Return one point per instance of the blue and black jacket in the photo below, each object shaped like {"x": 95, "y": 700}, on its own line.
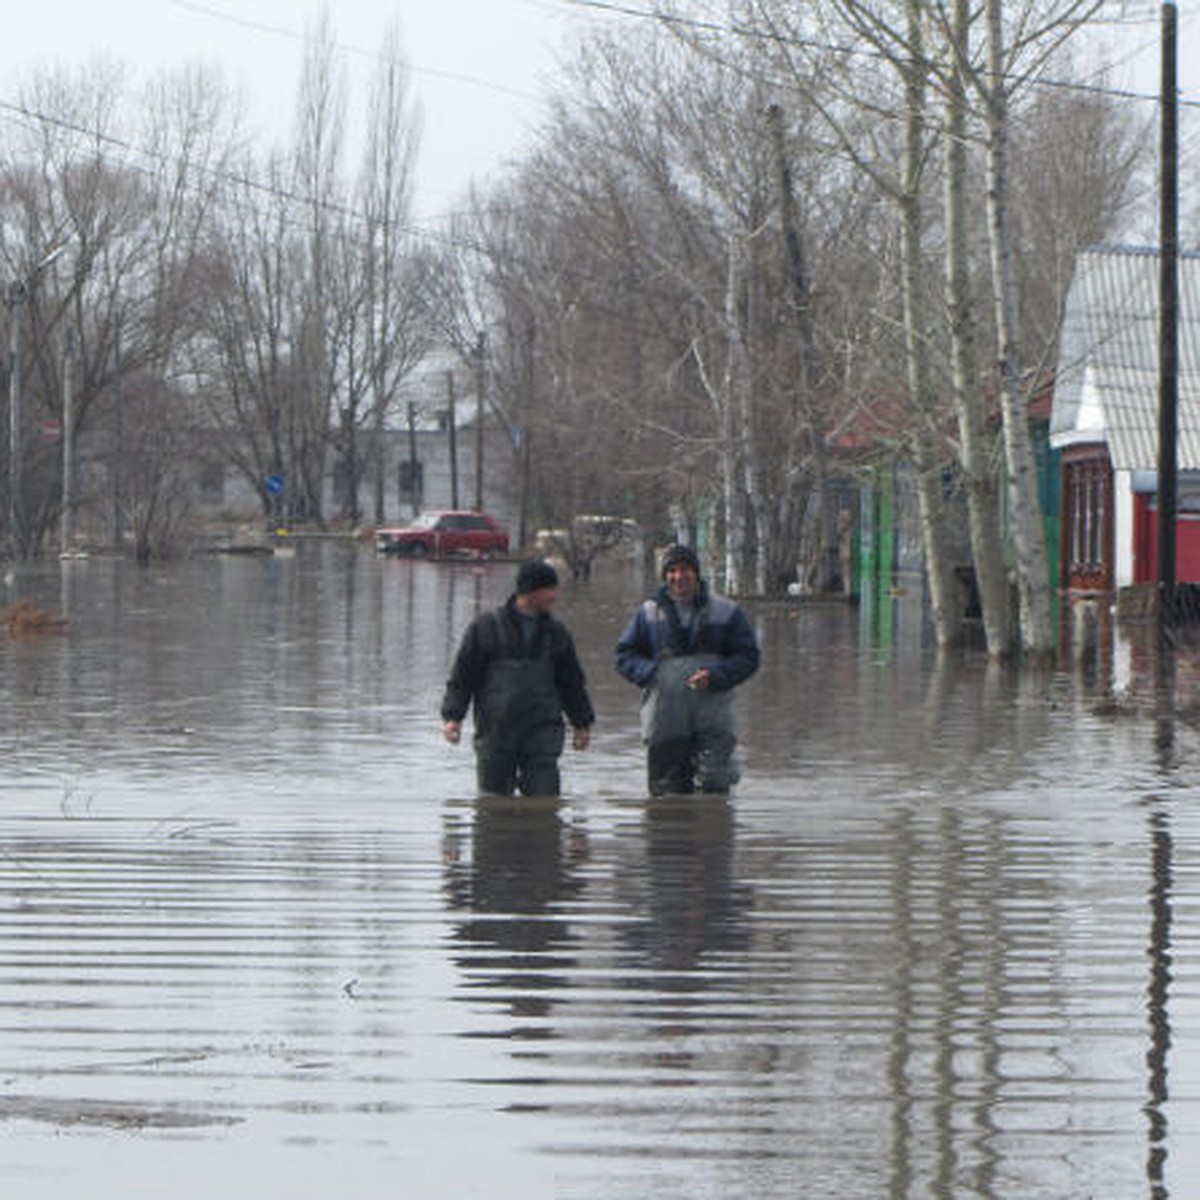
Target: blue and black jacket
{"x": 720, "y": 634}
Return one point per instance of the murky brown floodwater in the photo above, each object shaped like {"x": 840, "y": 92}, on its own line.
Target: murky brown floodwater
{"x": 258, "y": 940}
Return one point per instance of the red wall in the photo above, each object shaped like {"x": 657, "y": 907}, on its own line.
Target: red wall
{"x": 1145, "y": 543}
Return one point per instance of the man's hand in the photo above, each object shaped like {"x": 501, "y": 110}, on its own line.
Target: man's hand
{"x": 582, "y": 737}
{"x": 700, "y": 680}
{"x": 452, "y": 731}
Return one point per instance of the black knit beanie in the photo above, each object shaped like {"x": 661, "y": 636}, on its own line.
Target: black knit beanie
{"x": 681, "y": 556}
{"x": 535, "y": 573}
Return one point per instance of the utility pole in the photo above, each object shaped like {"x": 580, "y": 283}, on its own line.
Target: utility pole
{"x": 15, "y": 298}
{"x": 67, "y": 518}
{"x": 415, "y": 488}
{"x": 18, "y": 294}
{"x": 118, "y": 499}
{"x": 452, "y": 430}
{"x": 1168, "y": 330}
{"x": 480, "y": 343}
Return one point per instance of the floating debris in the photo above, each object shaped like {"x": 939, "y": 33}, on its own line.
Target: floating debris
{"x": 25, "y": 617}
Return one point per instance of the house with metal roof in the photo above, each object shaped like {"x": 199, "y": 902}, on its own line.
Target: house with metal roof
{"x": 1105, "y": 419}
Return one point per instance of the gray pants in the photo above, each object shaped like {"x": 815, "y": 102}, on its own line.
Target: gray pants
{"x": 689, "y": 734}
{"x": 702, "y": 762}
{"x": 528, "y": 765}
{"x": 523, "y": 732}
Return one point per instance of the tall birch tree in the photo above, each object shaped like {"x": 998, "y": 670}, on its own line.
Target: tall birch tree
{"x": 925, "y": 440}
{"x": 395, "y": 292}
{"x": 832, "y": 84}
{"x": 320, "y": 117}
{"x": 978, "y": 466}
{"x": 1038, "y": 30}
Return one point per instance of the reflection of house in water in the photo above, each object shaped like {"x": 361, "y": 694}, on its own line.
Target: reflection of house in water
{"x": 1117, "y": 658}
{"x": 508, "y": 873}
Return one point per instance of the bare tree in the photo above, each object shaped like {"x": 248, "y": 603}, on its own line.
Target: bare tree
{"x": 159, "y": 448}
{"x": 129, "y": 199}
{"x": 976, "y": 108}
{"x": 397, "y": 272}
{"x": 917, "y": 350}
{"x": 983, "y": 511}
{"x": 321, "y": 332}
{"x": 245, "y": 362}
{"x": 1035, "y": 34}
{"x": 691, "y": 223}
{"x": 1081, "y": 163}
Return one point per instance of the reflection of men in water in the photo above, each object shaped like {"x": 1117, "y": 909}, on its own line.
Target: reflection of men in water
{"x": 517, "y": 665}
{"x": 522, "y": 864}
{"x": 695, "y": 905}
{"x": 688, "y": 648}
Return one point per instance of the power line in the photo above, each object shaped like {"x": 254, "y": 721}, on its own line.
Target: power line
{"x": 23, "y": 114}
{"x": 30, "y": 118}
{"x": 661, "y": 17}
{"x": 295, "y": 35}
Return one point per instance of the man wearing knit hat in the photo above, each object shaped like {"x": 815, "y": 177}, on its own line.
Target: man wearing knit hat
{"x": 518, "y": 667}
{"x": 687, "y": 649}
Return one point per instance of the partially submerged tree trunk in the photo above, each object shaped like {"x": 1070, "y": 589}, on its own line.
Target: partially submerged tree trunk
{"x": 983, "y": 516}
{"x": 930, "y": 502}
{"x": 737, "y": 468}
{"x": 1028, "y": 532}
{"x": 825, "y": 571}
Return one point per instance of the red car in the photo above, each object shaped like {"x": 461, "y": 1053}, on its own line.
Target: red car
{"x": 442, "y": 534}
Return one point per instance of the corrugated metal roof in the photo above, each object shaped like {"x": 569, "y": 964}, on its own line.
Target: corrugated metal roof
{"x": 1106, "y": 387}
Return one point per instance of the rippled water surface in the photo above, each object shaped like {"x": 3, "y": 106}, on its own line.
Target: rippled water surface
{"x": 259, "y": 940}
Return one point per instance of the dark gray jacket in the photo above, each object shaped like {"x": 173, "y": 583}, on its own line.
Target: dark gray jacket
{"x": 517, "y": 688}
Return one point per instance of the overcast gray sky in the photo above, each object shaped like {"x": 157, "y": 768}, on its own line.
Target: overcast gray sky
{"x": 478, "y": 66}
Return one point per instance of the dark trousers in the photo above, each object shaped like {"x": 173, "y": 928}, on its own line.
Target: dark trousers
{"x": 529, "y": 765}
{"x": 702, "y": 762}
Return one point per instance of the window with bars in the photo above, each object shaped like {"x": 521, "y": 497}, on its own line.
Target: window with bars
{"x": 1089, "y": 520}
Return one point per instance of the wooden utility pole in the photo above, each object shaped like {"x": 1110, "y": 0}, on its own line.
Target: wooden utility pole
{"x": 67, "y": 517}
{"x": 827, "y": 573}
{"x": 1168, "y": 330}
{"x": 452, "y": 430}
{"x": 118, "y": 499}
{"x": 480, "y": 343}
{"x": 16, "y": 298}
{"x": 414, "y": 463}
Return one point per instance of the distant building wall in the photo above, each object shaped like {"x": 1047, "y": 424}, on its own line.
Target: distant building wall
{"x": 212, "y": 490}
{"x": 435, "y": 476}
{"x": 225, "y": 492}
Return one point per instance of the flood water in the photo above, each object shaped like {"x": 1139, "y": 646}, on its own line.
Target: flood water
{"x": 258, "y": 939}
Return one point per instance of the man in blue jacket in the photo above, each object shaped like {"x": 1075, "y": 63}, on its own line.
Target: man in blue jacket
{"x": 687, "y": 649}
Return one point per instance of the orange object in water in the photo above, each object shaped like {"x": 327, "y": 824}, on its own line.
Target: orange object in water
{"x": 25, "y": 617}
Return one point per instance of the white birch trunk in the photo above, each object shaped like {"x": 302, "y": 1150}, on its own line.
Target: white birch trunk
{"x": 930, "y": 503}
{"x": 754, "y": 512}
{"x": 1028, "y": 532}
{"x": 983, "y": 513}
{"x": 392, "y": 137}
{"x": 731, "y": 426}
